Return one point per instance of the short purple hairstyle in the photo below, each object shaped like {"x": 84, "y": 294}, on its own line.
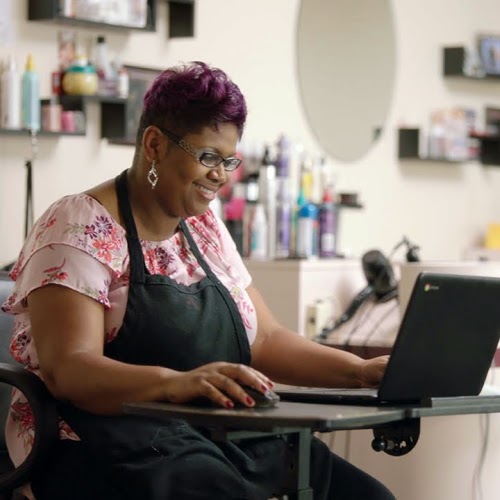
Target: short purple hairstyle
{"x": 189, "y": 97}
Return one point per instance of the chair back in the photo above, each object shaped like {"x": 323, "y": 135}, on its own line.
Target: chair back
{"x": 6, "y": 328}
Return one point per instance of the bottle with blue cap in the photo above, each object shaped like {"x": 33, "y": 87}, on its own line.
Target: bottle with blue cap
{"x": 307, "y": 231}
{"x": 30, "y": 97}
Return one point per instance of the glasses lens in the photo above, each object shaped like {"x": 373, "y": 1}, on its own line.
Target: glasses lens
{"x": 210, "y": 160}
{"x": 231, "y": 163}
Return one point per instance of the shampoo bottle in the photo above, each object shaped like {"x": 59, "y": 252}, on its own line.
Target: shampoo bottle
{"x": 284, "y": 210}
{"x": 259, "y": 233}
{"x": 10, "y": 104}
{"x": 307, "y": 231}
{"x": 327, "y": 226}
{"x": 30, "y": 97}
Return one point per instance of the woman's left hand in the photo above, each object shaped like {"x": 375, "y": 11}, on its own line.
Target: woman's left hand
{"x": 371, "y": 371}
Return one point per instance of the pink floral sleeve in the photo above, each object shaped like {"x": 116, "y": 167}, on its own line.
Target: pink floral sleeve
{"x": 75, "y": 244}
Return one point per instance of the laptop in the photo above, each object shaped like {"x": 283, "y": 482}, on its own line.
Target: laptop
{"x": 444, "y": 347}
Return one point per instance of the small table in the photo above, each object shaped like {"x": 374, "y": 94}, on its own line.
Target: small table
{"x": 296, "y": 420}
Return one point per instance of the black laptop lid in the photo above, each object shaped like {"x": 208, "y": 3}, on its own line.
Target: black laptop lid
{"x": 447, "y": 339}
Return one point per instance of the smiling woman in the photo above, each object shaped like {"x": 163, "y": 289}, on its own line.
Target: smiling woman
{"x": 134, "y": 291}
{"x": 346, "y": 61}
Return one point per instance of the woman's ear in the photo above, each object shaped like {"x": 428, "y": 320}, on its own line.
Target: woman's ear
{"x": 154, "y": 145}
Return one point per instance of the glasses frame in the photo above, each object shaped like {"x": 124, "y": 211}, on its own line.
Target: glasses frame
{"x": 198, "y": 152}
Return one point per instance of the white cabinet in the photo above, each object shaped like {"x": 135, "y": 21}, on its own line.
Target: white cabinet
{"x": 289, "y": 286}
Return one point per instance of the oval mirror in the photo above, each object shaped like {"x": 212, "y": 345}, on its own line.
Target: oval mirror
{"x": 346, "y": 60}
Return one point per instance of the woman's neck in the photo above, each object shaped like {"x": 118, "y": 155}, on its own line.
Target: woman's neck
{"x": 151, "y": 221}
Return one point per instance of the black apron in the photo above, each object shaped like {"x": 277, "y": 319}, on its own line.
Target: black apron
{"x": 179, "y": 327}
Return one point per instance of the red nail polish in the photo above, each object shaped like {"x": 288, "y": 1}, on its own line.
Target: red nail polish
{"x": 264, "y": 387}
{"x": 250, "y": 401}
{"x": 229, "y": 404}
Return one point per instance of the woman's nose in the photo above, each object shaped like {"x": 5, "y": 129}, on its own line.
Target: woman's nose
{"x": 218, "y": 173}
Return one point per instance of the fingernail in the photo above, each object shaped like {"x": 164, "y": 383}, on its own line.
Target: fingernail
{"x": 264, "y": 387}
{"x": 250, "y": 401}
{"x": 229, "y": 404}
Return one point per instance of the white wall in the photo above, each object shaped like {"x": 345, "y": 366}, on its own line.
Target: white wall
{"x": 445, "y": 208}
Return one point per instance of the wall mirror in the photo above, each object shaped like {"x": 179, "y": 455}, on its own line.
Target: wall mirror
{"x": 346, "y": 63}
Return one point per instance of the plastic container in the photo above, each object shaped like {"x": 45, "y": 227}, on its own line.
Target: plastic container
{"x": 101, "y": 59}
{"x": 307, "y": 231}
{"x": 284, "y": 211}
{"x": 51, "y": 116}
{"x": 259, "y": 233}
{"x": 122, "y": 83}
{"x": 267, "y": 197}
{"x": 10, "y": 102}
{"x": 327, "y": 227}
{"x": 80, "y": 79}
{"x": 30, "y": 97}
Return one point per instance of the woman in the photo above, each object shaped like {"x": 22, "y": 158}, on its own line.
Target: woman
{"x": 134, "y": 291}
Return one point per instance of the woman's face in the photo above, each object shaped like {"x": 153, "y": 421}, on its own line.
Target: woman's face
{"x": 185, "y": 186}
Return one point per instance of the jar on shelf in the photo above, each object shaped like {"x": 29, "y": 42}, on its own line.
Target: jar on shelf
{"x": 80, "y": 79}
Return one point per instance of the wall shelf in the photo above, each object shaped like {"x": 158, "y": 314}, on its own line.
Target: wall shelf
{"x": 113, "y": 116}
{"x": 409, "y": 147}
{"x": 41, "y": 133}
{"x": 50, "y": 10}
{"x": 181, "y": 18}
{"x": 453, "y": 65}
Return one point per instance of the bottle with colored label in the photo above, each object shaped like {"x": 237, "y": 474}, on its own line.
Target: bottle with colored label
{"x": 30, "y": 97}
{"x": 307, "y": 231}
{"x": 327, "y": 226}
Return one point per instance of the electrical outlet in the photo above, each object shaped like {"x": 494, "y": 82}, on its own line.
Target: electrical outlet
{"x": 318, "y": 317}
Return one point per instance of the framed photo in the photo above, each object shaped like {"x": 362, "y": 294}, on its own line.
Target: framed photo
{"x": 140, "y": 80}
{"x": 489, "y": 51}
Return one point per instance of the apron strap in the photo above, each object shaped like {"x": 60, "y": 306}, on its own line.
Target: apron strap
{"x": 240, "y": 330}
{"x": 137, "y": 272}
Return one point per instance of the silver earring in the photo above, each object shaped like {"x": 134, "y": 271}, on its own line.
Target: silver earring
{"x": 153, "y": 175}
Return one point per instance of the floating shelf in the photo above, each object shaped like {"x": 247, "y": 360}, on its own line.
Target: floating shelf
{"x": 41, "y": 133}
{"x": 409, "y": 146}
{"x": 180, "y": 18}
{"x": 50, "y": 10}
{"x": 113, "y": 116}
{"x": 453, "y": 65}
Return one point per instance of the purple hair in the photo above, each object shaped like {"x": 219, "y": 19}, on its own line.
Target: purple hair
{"x": 190, "y": 97}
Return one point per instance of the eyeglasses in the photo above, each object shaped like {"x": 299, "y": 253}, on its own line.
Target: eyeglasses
{"x": 206, "y": 158}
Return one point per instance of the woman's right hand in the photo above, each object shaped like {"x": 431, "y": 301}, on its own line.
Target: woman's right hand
{"x": 220, "y": 382}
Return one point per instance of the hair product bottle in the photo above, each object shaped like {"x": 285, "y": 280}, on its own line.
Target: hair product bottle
{"x": 259, "y": 233}
{"x": 30, "y": 97}
{"x": 233, "y": 214}
{"x": 267, "y": 196}
{"x": 10, "y": 103}
{"x": 327, "y": 226}
{"x": 284, "y": 210}
{"x": 307, "y": 231}
{"x": 101, "y": 59}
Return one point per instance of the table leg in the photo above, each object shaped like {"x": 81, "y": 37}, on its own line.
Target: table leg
{"x": 300, "y": 488}
{"x": 297, "y": 483}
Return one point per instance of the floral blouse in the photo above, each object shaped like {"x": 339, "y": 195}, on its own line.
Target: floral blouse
{"x": 76, "y": 243}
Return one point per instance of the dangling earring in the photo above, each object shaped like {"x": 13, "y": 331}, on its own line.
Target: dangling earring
{"x": 153, "y": 175}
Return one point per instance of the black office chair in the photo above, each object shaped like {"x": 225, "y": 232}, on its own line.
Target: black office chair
{"x": 40, "y": 400}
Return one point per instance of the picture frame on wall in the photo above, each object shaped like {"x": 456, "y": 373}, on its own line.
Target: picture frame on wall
{"x": 140, "y": 79}
{"x": 489, "y": 51}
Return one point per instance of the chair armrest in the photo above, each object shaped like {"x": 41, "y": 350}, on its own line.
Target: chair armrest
{"x": 46, "y": 422}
